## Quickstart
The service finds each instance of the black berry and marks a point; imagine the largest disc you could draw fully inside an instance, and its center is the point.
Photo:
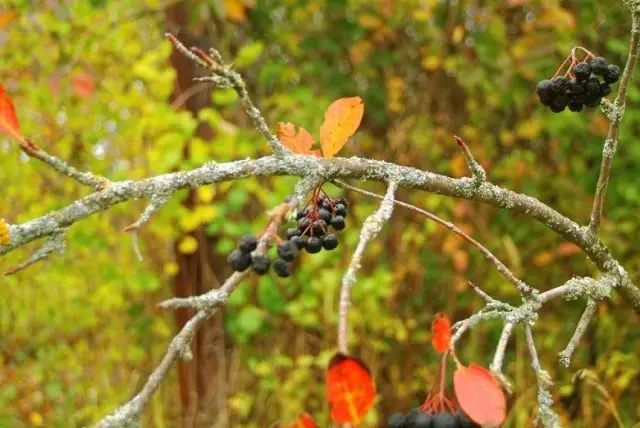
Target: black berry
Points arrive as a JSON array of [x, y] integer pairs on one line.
[[612, 74], [582, 71], [293, 232], [341, 209], [422, 420], [300, 214], [330, 241], [560, 102], [239, 260], [605, 89], [592, 87], [337, 222], [303, 225], [260, 264], [324, 215], [545, 94], [319, 227], [559, 85], [282, 268], [599, 66], [287, 251], [248, 243], [593, 101], [397, 420], [575, 106], [313, 245], [298, 241], [444, 420]]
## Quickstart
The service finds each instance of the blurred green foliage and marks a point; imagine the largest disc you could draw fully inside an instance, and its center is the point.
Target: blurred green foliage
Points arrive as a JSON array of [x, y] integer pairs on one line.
[[91, 83]]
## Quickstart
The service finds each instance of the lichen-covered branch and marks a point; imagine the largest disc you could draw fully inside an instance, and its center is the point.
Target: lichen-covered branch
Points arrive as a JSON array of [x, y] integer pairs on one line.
[[548, 416], [325, 170], [498, 357], [565, 356], [615, 114], [370, 229]]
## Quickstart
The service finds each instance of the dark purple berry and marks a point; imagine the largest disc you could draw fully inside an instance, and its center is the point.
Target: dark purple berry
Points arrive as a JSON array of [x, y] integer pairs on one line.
[[612, 74], [545, 94], [599, 66], [282, 268], [260, 263], [605, 89], [287, 251], [293, 232], [248, 243], [582, 71], [337, 222], [319, 227], [313, 245], [397, 420], [330, 242], [324, 215], [593, 101], [559, 85], [298, 241], [576, 107], [341, 209], [444, 420], [422, 420], [303, 225], [239, 260], [592, 87]]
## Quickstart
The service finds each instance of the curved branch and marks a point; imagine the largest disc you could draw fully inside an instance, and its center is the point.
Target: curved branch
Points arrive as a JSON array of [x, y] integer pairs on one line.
[[327, 169]]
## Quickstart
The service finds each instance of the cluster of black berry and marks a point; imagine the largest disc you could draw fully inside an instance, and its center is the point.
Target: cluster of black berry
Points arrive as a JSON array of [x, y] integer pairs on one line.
[[584, 89], [417, 418], [312, 234]]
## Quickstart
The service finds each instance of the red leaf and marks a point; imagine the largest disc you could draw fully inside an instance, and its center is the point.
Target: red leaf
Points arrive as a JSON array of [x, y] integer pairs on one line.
[[299, 143], [480, 395], [304, 421], [350, 389], [441, 331], [83, 84], [9, 125]]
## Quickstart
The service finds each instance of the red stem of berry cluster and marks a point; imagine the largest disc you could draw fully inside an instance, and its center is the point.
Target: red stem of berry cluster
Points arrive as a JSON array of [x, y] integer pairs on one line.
[[574, 60], [313, 215], [439, 403]]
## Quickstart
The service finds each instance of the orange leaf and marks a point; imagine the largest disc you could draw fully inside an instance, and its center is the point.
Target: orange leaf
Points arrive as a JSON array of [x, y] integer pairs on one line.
[[304, 421], [83, 84], [480, 395], [441, 331], [299, 143], [9, 125], [350, 389], [6, 17], [341, 120]]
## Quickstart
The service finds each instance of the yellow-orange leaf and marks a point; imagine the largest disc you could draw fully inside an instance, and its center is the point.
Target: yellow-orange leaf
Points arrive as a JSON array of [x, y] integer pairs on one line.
[[299, 143], [6, 17], [9, 125], [4, 233], [341, 120], [350, 389]]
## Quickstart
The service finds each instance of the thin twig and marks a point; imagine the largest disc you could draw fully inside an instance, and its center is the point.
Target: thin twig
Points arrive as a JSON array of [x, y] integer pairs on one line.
[[479, 175], [564, 358], [524, 288], [218, 69], [370, 229], [498, 357], [616, 114], [85, 178], [56, 242], [548, 416]]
